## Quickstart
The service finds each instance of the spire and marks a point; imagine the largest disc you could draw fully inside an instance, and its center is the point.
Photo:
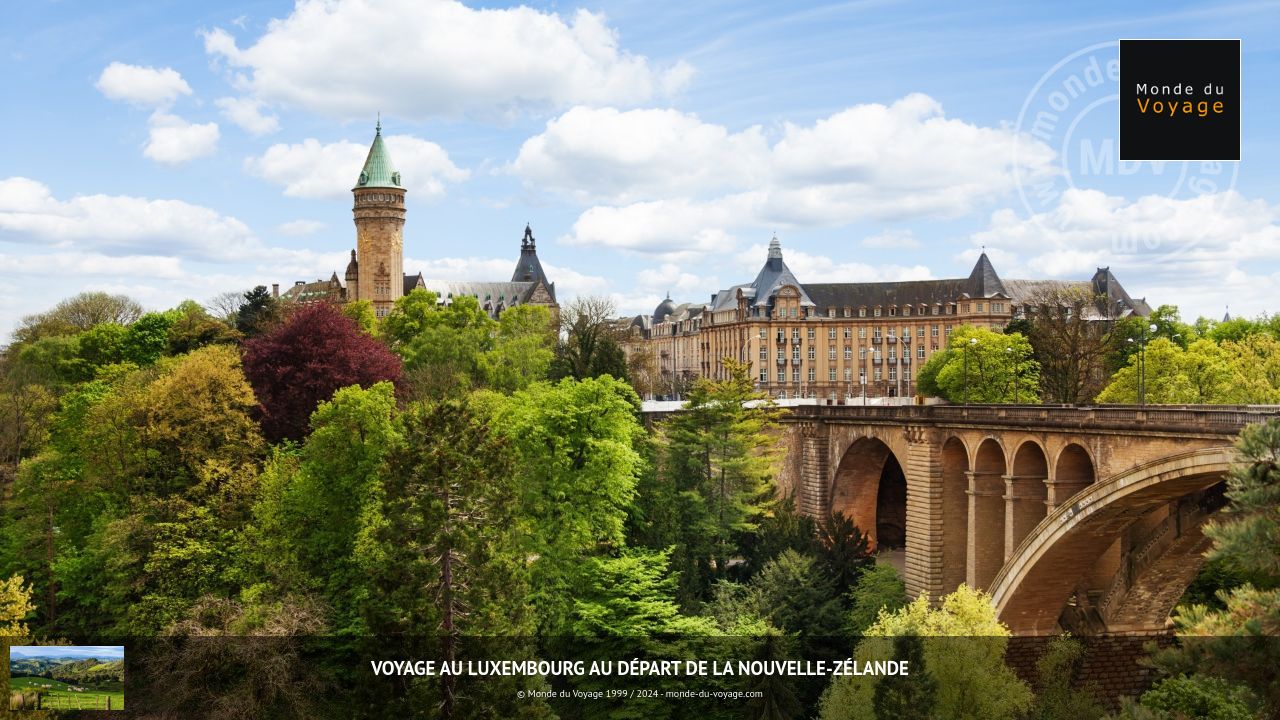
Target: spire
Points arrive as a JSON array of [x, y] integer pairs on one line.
[[527, 241], [353, 267], [528, 267], [378, 170], [983, 281], [775, 248], [1226, 317]]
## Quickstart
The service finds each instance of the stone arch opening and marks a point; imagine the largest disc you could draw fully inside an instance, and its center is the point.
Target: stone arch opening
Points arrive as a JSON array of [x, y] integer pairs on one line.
[[1071, 473], [955, 513], [870, 488], [986, 514], [1026, 494]]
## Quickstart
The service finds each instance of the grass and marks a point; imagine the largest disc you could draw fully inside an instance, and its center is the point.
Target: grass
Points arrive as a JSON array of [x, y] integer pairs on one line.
[[59, 695]]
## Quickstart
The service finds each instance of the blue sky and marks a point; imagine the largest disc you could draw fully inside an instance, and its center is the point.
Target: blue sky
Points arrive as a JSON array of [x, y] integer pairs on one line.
[[100, 652], [170, 150]]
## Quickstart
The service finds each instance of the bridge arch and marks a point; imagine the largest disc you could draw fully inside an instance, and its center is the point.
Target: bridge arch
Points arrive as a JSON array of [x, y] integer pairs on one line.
[[1073, 470], [870, 488], [1033, 587], [986, 512], [1027, 493], [955, 512]]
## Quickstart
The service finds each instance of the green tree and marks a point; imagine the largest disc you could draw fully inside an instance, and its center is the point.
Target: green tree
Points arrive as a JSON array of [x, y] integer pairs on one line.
[[982, 366], [1197, 698], [101, 345], [878, 588], [78, 313], [796, 595], [590, 347], [193, 327], [630, 595], [147, 338], [15, 606], [257, 312], [361, 311], [911, 695], [964, 646], [1072, 340], [442, 345], [1255, 367], [522, 349], [575, 477], [844, 551], [1055, 698], [720, 458], [1166, 377]]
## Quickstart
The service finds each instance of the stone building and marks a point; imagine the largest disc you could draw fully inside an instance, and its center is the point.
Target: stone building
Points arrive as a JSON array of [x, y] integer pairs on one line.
[[376, 270], [835, 340]]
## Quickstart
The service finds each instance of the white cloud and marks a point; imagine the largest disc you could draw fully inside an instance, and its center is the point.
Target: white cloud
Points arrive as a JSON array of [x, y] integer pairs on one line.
[[142, 85], [300, 227], [248, 114], [674, 279], [1199, 252], [313, 170], [118, 224], [347, 58], [619, 157], [96, 264], [174, 141], [810, 268], [892, 240], [665, 179]]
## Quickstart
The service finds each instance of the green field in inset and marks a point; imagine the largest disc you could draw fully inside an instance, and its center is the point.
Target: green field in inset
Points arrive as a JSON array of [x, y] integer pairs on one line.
[[59, 695]]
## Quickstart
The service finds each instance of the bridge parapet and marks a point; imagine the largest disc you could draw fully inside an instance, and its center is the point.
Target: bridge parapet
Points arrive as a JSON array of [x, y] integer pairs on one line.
[[1206, 418]]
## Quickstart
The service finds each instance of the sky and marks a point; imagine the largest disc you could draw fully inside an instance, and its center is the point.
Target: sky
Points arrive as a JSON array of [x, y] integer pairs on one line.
[[100, 652], [171, 150]]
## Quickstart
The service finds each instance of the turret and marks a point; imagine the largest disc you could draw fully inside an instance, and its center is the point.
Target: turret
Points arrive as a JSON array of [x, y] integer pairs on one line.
[[379, 216]]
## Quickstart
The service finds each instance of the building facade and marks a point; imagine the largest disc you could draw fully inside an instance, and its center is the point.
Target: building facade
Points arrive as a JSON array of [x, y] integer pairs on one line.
[[376, 270], [835, 340]]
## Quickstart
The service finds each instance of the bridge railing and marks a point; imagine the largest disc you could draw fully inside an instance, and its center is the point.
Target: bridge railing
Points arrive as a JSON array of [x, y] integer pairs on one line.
[[1211, 418]]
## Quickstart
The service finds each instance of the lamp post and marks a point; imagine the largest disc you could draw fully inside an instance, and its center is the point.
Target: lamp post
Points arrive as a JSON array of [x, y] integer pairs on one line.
[[1142, 362], [972, 342], [1013, 374]]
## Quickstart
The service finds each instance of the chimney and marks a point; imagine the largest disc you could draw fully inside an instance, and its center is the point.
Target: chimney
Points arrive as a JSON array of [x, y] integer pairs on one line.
[[275, 289]]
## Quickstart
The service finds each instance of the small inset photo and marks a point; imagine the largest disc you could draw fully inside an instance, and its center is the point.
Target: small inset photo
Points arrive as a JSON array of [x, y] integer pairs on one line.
[[66, 677]]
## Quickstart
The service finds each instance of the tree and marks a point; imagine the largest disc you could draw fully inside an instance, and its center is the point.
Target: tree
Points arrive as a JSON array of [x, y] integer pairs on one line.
[[522, 349], [1197, 696], [630, 595], [15, 606], [590, 348], [911, 695], [575, 477], [1168, 375], [361, 311], [964, 646], [1255, 368], [995, 368], [720, 459], [1055, 698], [1070, 341], [193, 328], [794, 594], [147, 338], [257, 312], [878, 589], [1237, 643], [844, 551], [300, 363], [78, 313], [442, 345]]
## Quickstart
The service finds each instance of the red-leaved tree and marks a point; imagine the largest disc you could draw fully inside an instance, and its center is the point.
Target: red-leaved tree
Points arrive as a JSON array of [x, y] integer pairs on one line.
[[301, 362]]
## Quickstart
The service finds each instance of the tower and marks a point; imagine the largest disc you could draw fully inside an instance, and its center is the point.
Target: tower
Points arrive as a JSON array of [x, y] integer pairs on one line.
[[379, 216]]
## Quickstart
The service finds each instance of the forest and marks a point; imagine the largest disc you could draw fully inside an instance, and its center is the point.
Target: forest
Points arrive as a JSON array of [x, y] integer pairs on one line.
[[271, 494]]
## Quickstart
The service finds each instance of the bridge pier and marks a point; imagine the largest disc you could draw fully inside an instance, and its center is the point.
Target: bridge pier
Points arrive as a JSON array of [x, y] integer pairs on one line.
[[1024, 508], [926, 524], [986, 526]]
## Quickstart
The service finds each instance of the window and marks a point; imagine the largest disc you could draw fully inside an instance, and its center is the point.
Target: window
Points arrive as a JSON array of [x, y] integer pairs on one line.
[[875, 334], [811, 331], [920, 351], [862, 376], [934, 348], [795, 353], [782, 376], [764, 353], [933, 331], [997, 307], [862, 353], [848, 353], [948, 332], [831, 312], [795, 375], [979, 307], [813, 352], [893, 374], [848, 333], [862, 333], [893, 354], [764, 375], [920, 331], [893, 310], [831, 375], [906, 310], [795, 334], [877, 312], [812, 375], [862, 312], [879, 375], [831, 353], [848, 372], [831, 333], [793, 311], [906, 375]]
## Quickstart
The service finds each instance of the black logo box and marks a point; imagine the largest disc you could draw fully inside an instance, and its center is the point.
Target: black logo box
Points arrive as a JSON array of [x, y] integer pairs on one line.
[[1160, 77]]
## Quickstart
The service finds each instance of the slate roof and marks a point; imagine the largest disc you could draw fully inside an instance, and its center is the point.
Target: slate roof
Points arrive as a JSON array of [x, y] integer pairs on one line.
[[378, 172]]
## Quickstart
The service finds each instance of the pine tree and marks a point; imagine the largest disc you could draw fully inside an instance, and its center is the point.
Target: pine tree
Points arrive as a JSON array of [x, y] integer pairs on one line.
[[911, 695]]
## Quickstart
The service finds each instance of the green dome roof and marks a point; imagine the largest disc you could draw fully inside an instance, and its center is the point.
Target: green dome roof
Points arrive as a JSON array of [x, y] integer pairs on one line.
[[378, 171]]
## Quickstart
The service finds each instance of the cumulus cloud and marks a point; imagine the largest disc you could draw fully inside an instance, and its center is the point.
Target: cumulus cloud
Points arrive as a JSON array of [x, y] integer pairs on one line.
[[173, 141], [810, 268], [662, 178], [892, 240], [94, 264], [603, 154], [118, 224], [312, 169], [248, 114], [142, 85], [1172, 250], [419, 59]]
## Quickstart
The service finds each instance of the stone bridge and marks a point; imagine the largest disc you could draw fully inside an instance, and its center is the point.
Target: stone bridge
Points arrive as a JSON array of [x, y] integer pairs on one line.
[[1079, 518]]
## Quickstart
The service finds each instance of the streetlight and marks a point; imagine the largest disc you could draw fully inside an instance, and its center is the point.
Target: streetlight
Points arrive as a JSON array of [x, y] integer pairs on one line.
[[972, 342], [1142, 362], [1013, 375]]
